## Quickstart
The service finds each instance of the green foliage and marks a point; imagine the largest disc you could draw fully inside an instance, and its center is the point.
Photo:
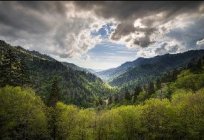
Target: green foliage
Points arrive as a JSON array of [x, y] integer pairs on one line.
[[181, 118], [127, 96], [190, 81], [13, 71], [54, 95], [22, 114]]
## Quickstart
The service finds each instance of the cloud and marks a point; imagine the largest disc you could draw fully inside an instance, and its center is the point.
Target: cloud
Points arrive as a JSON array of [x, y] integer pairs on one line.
[[147, 15], [126, 10], [166, 48], [200, 42], [189, 34], [71, 29], [49, 27]]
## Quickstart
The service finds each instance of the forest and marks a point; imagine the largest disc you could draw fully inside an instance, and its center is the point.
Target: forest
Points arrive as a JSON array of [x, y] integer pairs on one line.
[[37, 103]]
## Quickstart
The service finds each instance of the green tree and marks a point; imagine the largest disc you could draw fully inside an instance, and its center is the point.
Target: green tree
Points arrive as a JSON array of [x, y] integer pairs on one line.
[[156, 118], [136, 93], [84, 125], [66, 121], [199, 64], [22, 115], [52, 101], [150, 89], [55, 93], [127, 95], [110, 100], [158, 84], [130, 122]]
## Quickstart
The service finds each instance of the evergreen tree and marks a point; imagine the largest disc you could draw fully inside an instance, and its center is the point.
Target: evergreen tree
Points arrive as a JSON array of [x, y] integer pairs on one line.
[[25, 79], [174, 75], [100, 101], [150, 89], [136, 93], [53, 99], [127, 95], [116, 98], [189, 65], [158, 84], [110, 100], [54, 95], [199, 64]]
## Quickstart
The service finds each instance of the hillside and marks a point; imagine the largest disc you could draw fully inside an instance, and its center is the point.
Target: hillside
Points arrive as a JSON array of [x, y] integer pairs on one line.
[[143, 70], [30, 68]]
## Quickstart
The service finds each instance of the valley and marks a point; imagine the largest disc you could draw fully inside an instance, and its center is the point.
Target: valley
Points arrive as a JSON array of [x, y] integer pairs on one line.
[[101, 70], [129, 102]]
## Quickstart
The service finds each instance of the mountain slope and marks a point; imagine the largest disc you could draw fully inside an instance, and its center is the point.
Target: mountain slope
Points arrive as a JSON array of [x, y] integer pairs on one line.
[[76, 86], [144, 69]]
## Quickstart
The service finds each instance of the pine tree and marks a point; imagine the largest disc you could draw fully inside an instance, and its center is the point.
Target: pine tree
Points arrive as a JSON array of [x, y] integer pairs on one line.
[[150, 89], [25, 79], [110, 100], [174, 75], [54, 95], [136, 93], [199, 64], [116, 98], [100, 101], [52, 101], [127, 95], [158, 84]]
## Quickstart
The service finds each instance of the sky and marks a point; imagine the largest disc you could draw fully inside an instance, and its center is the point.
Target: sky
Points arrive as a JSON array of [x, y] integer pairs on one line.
[[102, 35]]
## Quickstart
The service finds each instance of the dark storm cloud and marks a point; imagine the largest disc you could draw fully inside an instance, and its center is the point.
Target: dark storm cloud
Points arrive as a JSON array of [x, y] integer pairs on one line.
[[145, 40], [22, 16], [43, 26], [43, 6], [136, 9], [16, 19]]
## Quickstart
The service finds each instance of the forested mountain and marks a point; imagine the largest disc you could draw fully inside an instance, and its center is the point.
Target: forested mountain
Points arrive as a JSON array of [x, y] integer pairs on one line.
[[189, 78], [168, 110], [20, 67], [143, 70], [37, 102]]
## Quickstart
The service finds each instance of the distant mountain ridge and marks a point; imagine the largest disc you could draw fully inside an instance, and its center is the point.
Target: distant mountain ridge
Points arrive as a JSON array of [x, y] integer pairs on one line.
[[147, 67]]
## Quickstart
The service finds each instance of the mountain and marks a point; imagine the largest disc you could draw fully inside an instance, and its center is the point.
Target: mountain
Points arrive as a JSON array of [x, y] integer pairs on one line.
[[110, 74], [21, 67], [142, 70]]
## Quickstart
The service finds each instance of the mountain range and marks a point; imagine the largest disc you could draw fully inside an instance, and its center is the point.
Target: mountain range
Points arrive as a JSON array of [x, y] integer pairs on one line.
[[81, 86], [142, 70]]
